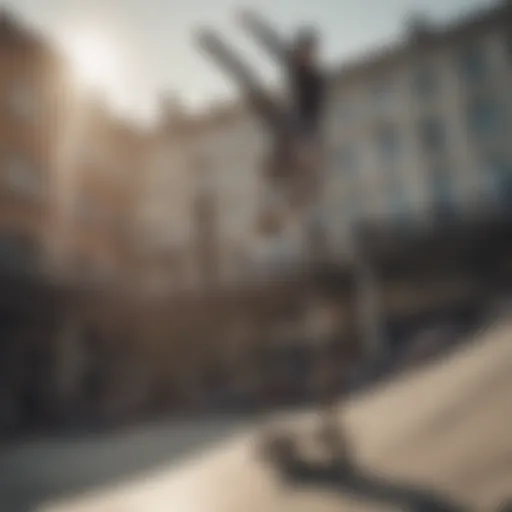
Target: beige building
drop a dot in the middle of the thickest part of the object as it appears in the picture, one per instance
(108, 164)
(202, 196)
(69, 167)
(69, 174)
(34, 106)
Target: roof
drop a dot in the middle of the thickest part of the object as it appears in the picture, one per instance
(429, 38)
(424, 37)
(21, 35)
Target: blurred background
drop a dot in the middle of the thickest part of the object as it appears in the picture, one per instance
(146, 309)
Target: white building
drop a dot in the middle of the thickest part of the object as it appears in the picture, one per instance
(416, 133)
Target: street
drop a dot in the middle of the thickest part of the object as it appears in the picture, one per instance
(437, 439)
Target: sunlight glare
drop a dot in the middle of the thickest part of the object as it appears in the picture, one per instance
(95, 60)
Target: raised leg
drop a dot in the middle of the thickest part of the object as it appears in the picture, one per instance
(263, 104)
(265, 35)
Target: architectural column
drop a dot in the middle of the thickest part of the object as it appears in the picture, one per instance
(368, 303)
(70, 360)
(68, 147)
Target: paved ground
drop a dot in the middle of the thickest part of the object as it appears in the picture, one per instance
(436, 440)
(52, 469)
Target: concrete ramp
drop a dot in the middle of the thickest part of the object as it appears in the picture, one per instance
(437, 439)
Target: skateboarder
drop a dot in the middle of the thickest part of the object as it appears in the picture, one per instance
(295, 157)
(306, 82)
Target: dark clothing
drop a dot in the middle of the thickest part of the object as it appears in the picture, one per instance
(303, 121)
(305, 81)
(308, 91)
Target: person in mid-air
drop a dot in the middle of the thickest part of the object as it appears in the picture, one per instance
(301, 61)
(300, 137)
(307, 84)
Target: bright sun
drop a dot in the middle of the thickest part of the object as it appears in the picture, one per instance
(95, 60)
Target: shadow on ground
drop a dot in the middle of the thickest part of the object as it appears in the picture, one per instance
(363, 485)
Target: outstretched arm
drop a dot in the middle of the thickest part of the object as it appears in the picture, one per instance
(222, 54)
(264, 35)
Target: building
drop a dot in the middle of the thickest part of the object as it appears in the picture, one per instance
(415, 132)
(34, 91)
(419, 130)
(109, 163)
(69, 166)
(202, 195)
(68, 177)
(417, 135)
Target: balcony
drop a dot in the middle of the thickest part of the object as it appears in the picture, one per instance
(20, 254)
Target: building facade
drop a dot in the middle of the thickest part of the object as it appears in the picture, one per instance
(203, 194)
(69, 167)
(34, 108)
(108, 164)
(416, 135)
(420, 129)
(68, 177)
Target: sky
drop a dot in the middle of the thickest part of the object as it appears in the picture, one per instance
(147, 46)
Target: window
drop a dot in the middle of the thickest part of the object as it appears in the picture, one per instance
(352, 209)
(344, 111)
(94, 268)
(345, 160)
(383, 95)
(22, 101)
(388, 143)
(200, 163)
(442, 193)
(485, 118)
(202, 166)
(473, 64)
(508, 48)
(498, 180)
(18, 251)
(88, 210)
(399, 207)
(84, 209)
(96, 157)
(22, 178)
(425, 83)
(433, 135)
